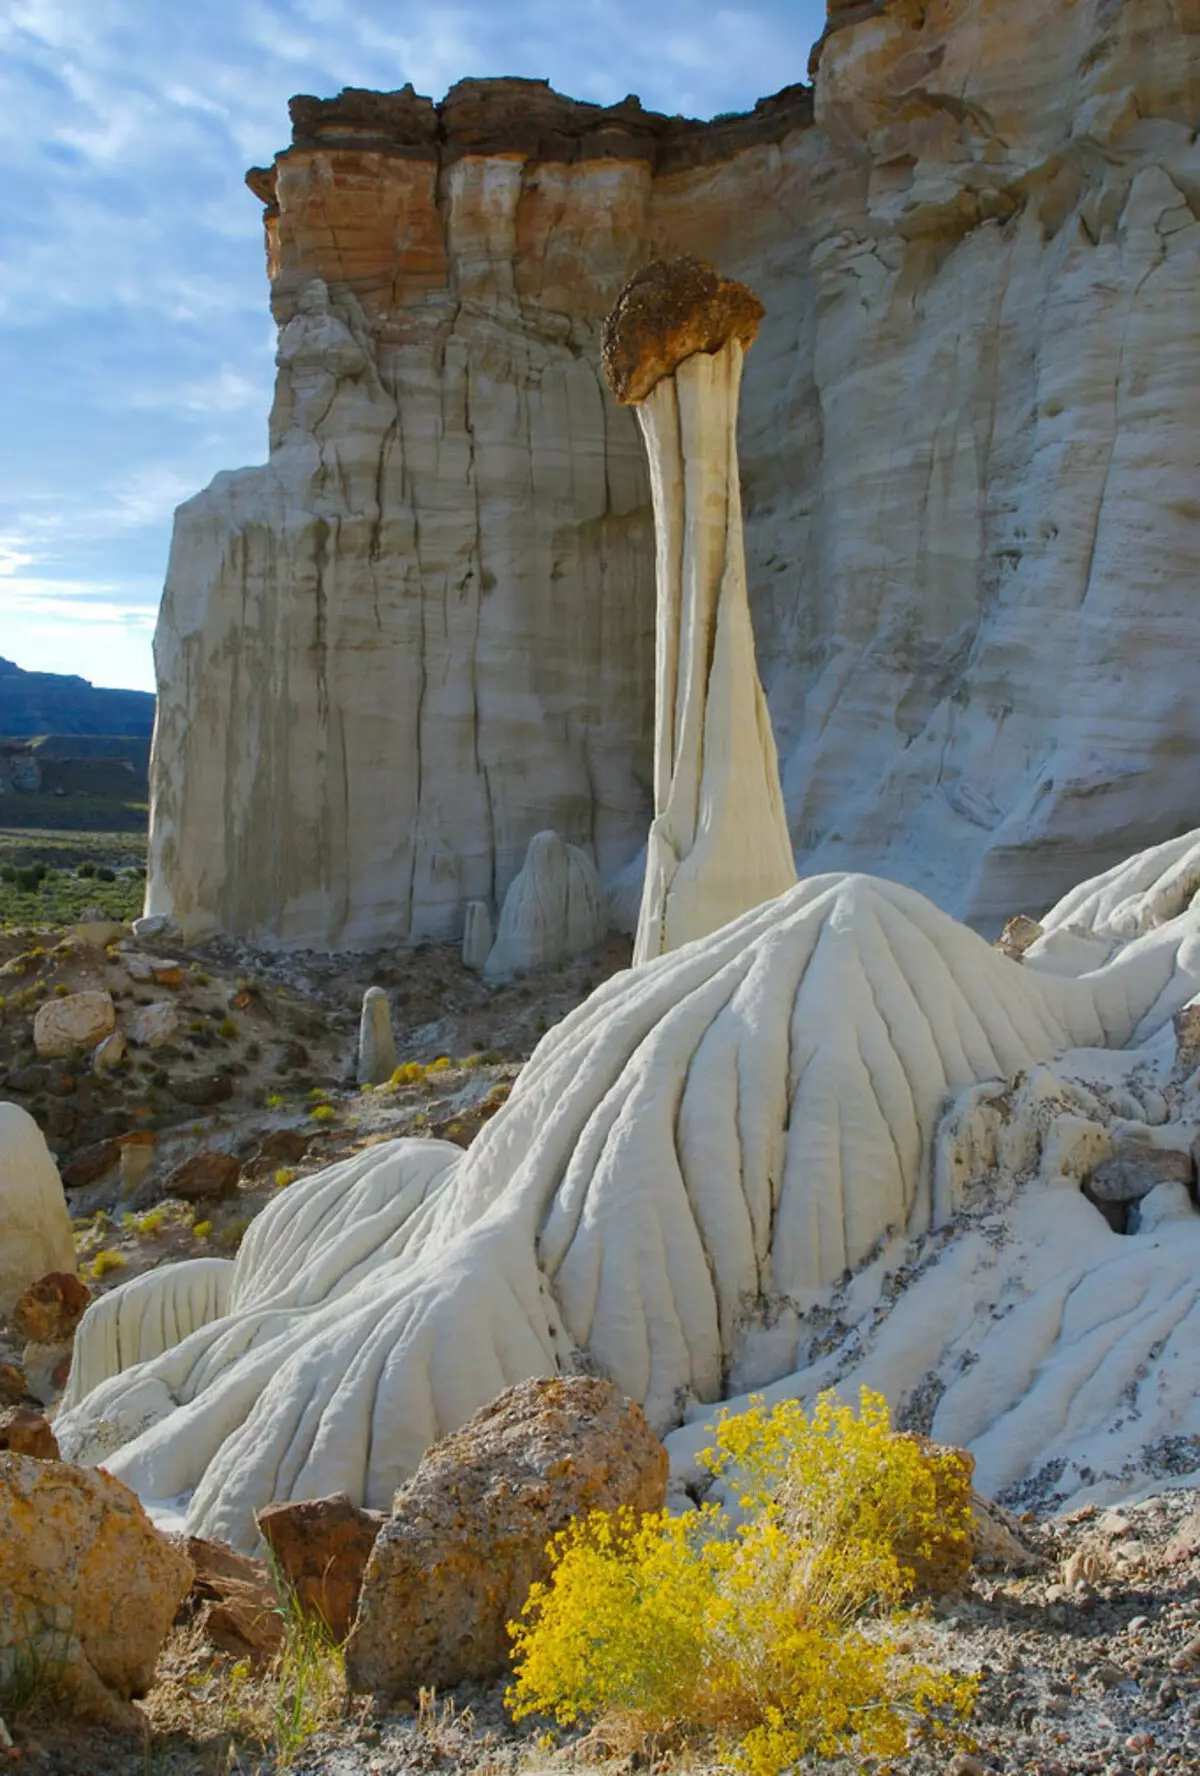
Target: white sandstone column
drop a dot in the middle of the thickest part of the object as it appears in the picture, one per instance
(719, 843)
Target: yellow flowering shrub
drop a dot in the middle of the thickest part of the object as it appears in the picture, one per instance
(770, 1637)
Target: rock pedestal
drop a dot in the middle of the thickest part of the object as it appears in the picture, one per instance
(477, 935)
(376, 1042)
(718, 842)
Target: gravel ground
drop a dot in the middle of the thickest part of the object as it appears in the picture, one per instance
(1089, 1668)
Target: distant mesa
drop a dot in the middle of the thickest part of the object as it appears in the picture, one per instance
(55, 703)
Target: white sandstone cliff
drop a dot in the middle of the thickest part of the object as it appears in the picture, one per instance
(967, 439)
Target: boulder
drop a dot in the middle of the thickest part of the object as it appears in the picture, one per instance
(99, 932)
(554, 909)
(204, 1175)
(50, 1309)
(89, 1163)
(376, 1043)
(91, 1587)
(109, 1053)
(477, 935)
(154, 1025)
(468, 1533)
(154, 928)
(233, 1600)
(35, 1229)
(321, 1547)
(1135, 1171)
(1019, 932)
(47, 1369)
(25, 1431)
(80, 1020)
(203, 1090)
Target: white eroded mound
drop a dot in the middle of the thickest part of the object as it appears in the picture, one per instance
(1060, 1352)
(687, 1161)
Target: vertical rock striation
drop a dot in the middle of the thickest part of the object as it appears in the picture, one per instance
(423, 631)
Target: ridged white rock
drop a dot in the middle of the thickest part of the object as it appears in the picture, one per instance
(686, 1163)
(554, 909)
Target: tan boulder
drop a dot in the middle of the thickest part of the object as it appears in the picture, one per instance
(24, 1431)
(151, 1026)
(90, 1586)
(109, 1053)
(468, 1533)
(80, 1020)
(321, 1547)
(98, 932)
(35, 1228)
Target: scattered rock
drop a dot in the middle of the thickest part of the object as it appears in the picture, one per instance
(1135, 1171)
(321, 1546)
(376, 1042)
(1185, 1543)
(154, 927)
(996, 1546)
(477, 935)
(1017, 936)
(109, 1053)
(29, 1080)
(284, 1146)
(50, 1309)
(1187, 1043)
(234, 1600)
(25, 1431)
(98, 932)
(80, 1020)
(204, 1175)
(203, 1091)
(14, 1389)
(92, 1587)
(151, 1026)
(35, 1228)
(47, 1368)
(90, 1163)
(468, 1533)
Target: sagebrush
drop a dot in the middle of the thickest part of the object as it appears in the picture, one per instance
(773, 1636)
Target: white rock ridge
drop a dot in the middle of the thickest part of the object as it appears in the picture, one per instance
(718, 842)
(35, 1227)
(688, 1163)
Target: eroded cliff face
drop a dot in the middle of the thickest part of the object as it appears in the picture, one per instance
(424, 630)
(982, 693)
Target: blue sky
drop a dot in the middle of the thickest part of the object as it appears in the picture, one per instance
(136, 347)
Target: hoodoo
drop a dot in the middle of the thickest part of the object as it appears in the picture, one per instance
(719, 840)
